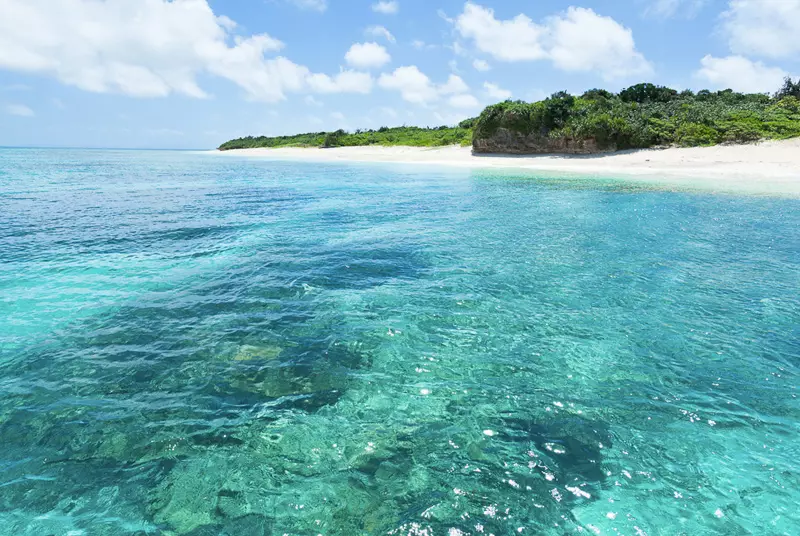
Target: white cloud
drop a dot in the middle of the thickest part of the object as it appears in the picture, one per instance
(664, 9)
(313, 5)
(517, 39)
(339, 116)
(415, 87)
(386, 7)
(442, 15)
(459, 50)
(19, 110)
(578, 40)
(496, 92)
(344, 82)
(367, 55)
(463, 101)
(740, 74)
(311, 101)
(389, 112)
(584, 41)
(455, 84)
(481, 65)
(146, 48)
(767, 28)
(380, 31)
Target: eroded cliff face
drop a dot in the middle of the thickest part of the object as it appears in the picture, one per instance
(505, 141)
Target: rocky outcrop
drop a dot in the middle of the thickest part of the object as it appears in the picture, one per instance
(505, 141)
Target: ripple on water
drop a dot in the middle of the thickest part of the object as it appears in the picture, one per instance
(195, 346)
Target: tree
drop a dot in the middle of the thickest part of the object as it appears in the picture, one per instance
(334, 139)
(789, 89)
(557, 109)
(597, 94)
(643, 93)
(468, 123)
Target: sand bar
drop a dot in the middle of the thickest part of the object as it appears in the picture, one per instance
(767, 168)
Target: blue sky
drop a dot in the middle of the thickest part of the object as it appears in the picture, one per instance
(194, 73)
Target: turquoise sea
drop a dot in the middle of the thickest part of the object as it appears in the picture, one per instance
(201, 345)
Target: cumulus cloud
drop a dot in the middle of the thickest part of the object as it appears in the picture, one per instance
(740, 74)
(455, 84)
(414, 86)
(380, 31)
(766, 28)
(147, 48)
(344, 82)
(481, 65)
(386, 7)
(367, 55)
(496, 92)
(517, 39)
(578, 40)
(463, 101)
(20, 110)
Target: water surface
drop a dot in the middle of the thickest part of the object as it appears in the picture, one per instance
(193, 345)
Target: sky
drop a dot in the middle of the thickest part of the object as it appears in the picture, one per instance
(195, 73)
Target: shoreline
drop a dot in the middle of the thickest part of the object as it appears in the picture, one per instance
(771, 167)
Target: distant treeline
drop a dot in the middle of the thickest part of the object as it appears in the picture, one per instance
(644, 115)
(409, 136)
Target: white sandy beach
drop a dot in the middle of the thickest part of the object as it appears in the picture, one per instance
(768, 167)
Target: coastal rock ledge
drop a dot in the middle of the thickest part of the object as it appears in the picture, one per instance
(505, 141)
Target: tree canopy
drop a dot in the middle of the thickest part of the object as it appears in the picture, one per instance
(646, 115)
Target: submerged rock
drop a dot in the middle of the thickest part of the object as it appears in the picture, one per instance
(249, 353)
(217, 492)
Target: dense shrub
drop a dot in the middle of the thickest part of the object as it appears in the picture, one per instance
(646, 115)
(412, 136)
(642, 93)
(694, 134)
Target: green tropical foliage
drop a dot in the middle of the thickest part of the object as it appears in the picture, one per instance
(408, 136)
(789, 89)
(644, 115)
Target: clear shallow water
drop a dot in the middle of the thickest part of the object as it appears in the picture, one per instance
(201, 345)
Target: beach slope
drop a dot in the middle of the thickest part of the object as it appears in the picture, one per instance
(767, 167)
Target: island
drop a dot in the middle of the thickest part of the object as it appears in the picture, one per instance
(598, 121)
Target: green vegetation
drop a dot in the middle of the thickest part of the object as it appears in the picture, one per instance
(410, 136)
(646, 115)
(640, 116)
